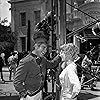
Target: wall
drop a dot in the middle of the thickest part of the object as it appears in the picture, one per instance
(28, 6)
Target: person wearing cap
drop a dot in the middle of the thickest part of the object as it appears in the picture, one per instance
(70, 84)
(32, 69)
(12, 62)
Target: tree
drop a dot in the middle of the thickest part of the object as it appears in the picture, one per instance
(4, 21)
(7, 37)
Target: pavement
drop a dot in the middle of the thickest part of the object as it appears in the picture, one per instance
(8, 92)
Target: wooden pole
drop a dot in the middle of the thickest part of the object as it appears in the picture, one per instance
(62, 21)
(28, 37)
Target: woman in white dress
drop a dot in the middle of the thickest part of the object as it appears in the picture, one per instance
(69, 80)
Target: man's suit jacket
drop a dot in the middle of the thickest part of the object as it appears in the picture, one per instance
(27, 76)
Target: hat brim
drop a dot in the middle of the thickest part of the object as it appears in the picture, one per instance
(42, 40)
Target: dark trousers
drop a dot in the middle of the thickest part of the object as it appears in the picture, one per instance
(1, 73)
(10, 74)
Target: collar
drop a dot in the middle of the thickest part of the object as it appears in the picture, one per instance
(33, 54)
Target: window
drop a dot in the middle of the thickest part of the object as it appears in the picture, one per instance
(37, 16)
(23, 19)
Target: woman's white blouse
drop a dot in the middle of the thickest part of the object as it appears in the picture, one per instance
(69, 81)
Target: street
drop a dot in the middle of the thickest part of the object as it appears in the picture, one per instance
(7, 91)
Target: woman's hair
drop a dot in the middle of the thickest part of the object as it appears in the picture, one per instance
(71, 51)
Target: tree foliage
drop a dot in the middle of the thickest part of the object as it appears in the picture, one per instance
(6, 34)
(7, 37)
(4, 21)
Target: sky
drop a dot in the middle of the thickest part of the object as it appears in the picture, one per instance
(4, 10)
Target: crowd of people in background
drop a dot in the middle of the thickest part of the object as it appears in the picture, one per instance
(10, 62)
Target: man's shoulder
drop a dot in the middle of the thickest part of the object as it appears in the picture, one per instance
(26, 58)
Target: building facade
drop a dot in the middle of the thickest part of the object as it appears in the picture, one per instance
(25, 14)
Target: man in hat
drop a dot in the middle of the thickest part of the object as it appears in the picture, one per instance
(30, 73)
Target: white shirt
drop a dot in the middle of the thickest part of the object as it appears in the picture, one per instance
(10, 58)
(69, 81)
